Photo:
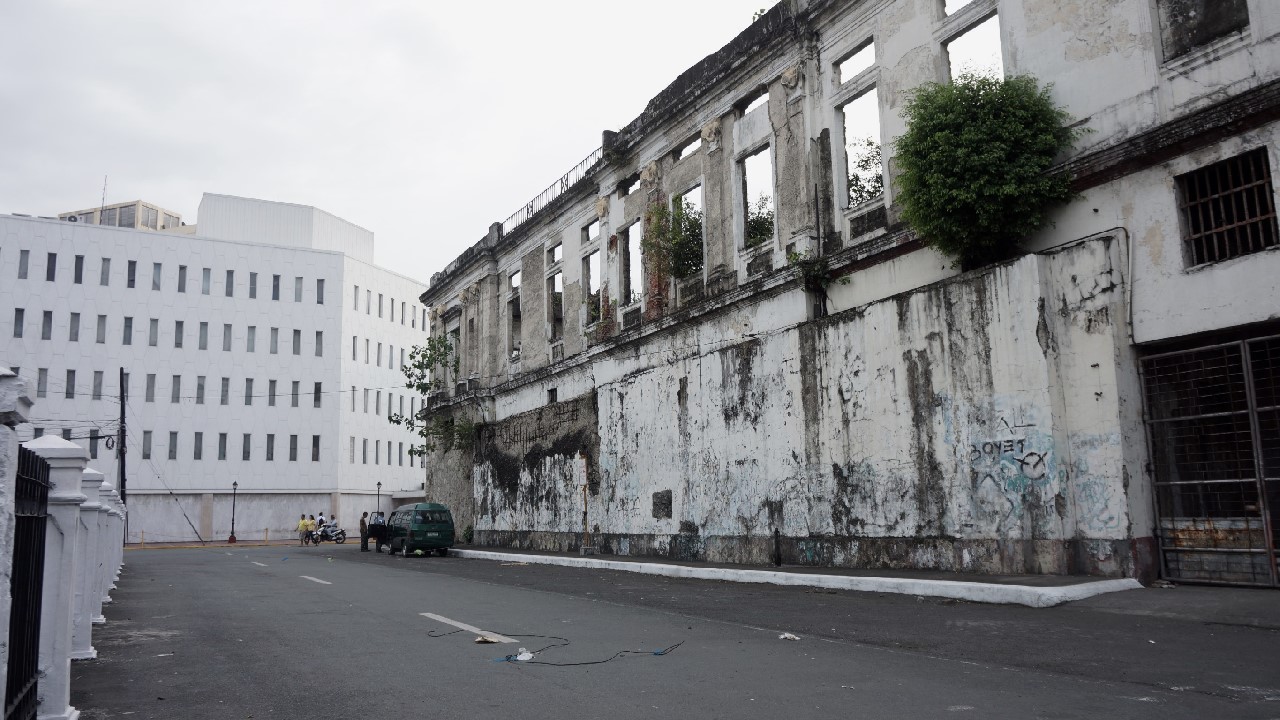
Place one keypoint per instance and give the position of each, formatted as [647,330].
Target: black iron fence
[557,189]
[31,504]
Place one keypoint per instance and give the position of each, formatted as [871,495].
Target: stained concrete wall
[971,425]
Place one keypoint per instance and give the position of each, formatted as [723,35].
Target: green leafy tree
[673,238]
[866,173]
[974,165]
[759,225]
[426,373]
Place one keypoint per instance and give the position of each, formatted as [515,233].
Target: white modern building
[261,350]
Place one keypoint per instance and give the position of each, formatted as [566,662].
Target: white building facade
[263,350]
[1105,404]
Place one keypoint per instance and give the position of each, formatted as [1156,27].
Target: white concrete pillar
[119,517]
[89,571]
[15,407]
[110,529]
[66,466]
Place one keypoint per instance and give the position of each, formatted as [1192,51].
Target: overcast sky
[421,121]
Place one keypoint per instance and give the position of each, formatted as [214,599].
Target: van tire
[443,552]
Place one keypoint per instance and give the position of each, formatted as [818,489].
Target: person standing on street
[302,530]
[364,532]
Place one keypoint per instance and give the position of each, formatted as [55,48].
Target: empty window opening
[513,280]
[555,254]
[591,282]
[156,273]
[1188,24]
[864,172]
[632,280]
[230,285]
[748,104]
[591,232]
[686,222]
[1228,208]
[51,267]
[513,327]
[757,198]
[855,63]
[626,186]
[689,148]
[132,274]
[551,395]
[253,285]
[976,51]
[78,271]
[555,305]
[182,278]
[206,277]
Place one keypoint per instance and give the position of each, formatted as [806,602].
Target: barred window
[1228,208]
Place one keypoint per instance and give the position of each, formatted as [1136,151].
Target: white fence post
[89,551]
[66,466]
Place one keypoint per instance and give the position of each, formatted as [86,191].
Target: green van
[420,526]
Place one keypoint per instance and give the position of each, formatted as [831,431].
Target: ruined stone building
[1108,403]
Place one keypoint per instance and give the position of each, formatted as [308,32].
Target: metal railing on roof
[557,189]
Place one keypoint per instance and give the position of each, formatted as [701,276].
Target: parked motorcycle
[330,533]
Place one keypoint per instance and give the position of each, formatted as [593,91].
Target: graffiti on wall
[1012,473]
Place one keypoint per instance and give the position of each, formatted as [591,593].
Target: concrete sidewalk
[1036,591]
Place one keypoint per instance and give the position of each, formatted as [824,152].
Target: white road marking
[315,580]
[468,628]
[255,562]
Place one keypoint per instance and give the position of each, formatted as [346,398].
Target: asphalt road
[326,632]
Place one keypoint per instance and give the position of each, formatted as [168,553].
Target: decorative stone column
[66,467]
[15,408]
[106,573]
[88,550]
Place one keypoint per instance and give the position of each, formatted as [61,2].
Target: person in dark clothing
[364,532]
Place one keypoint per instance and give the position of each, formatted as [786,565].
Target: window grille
[1228,208]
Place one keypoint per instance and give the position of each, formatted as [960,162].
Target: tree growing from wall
[673,238]
[866,173]
[973,165]
[759,225]
[426,373]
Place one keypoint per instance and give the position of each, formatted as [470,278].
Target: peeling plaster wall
[971,425]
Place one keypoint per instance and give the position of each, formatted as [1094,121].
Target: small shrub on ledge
[973,165]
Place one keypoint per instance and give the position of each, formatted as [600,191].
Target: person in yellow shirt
[311,529]
[302,530]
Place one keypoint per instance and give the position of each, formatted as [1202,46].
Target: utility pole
[120,445]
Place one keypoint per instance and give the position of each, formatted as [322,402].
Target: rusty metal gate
[1213,418]
[31,502]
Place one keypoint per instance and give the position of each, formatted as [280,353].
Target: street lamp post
[379,496]
[232,539]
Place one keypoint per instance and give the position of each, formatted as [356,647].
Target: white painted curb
[1037,597]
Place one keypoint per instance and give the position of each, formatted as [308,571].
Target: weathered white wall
[975,424]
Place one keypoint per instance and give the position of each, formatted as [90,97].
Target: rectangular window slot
[757,198]
[1228,208]
[976,51]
